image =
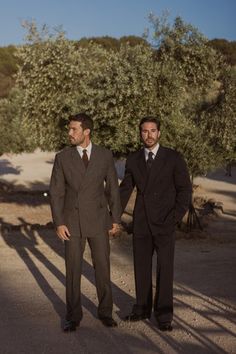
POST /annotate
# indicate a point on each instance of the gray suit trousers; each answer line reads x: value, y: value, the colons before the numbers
x: 100, y: 253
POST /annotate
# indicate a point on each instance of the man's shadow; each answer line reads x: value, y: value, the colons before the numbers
x: 22, y: 238
x: 119, y: 296
x: 7, y: 168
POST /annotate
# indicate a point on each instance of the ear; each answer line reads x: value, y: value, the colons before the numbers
x: 87, y: 132
x: 159, y: 134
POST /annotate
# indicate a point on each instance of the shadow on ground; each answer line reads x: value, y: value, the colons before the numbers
x: 204, y: 310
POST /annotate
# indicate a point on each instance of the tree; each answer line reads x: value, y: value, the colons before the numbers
x: 108, y: 43
x: 15, y: 137
x: 58, y: 79
x: 118, y: 93
x: 111, y: 43
x: 199, y: 69
x: 219, y: 119
x: 8, y: 69
x: 51, y: 72
x: 171, y: 79
x: 226, y: 48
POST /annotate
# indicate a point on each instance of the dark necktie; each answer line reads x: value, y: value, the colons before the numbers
x: 85, y: 158
x: 150, y: 160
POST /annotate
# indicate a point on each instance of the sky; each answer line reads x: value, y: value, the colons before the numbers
x: 115, y: 18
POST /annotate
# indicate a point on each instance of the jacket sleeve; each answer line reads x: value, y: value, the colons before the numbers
x: 57, y: 192
x: 112, y: 191
x: 183, y: 188
x: 127, y: 185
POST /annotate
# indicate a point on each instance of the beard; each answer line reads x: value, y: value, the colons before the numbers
x: 74, y: 141
x: 149, y: 143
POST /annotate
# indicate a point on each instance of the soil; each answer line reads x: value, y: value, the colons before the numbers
x: 32, y: 273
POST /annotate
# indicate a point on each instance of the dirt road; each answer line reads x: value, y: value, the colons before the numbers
x: 32, y: 279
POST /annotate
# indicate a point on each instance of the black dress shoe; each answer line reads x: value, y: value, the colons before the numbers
x: 70, y: 326
x: 108, y: 321
x: 134, y: 317
x: 165, y: 327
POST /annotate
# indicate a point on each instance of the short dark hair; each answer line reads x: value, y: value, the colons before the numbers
x: 85, y: 120
x: 149, y: 119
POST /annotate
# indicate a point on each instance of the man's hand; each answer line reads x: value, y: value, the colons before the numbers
x: 63, y: 233
x: 115, y: 230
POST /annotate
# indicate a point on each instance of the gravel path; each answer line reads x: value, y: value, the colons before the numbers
x: 32, y: 279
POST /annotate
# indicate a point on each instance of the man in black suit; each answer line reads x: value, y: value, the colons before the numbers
x: 163, y: 196
x: 85, y: 205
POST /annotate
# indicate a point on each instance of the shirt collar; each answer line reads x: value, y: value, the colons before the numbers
x: 88, y: 149
x: 154, y: 151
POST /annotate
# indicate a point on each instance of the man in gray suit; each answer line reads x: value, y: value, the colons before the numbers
x: 85, y: 204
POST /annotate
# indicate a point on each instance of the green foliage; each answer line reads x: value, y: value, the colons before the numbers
x: 196, y: 70
x: 116, y: 88
x: 189, y: 51
x: 119, y: 82
x: 8, y: 61
x: 48, y: 78
x: 110, y: 43
x: 118, y: 93
x: 219, y: 119
x: 15, y: 137
x: 226, y: 48
x: 8, y: 68
x: 194, y: 145
x: 133, y: 41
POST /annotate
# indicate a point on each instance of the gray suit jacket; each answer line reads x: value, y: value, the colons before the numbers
x: 85, y: 200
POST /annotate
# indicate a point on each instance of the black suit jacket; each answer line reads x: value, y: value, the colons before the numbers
x: 163, y: 195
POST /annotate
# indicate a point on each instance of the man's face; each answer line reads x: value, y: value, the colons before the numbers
x: 76, y: 134
x: 150, y: 134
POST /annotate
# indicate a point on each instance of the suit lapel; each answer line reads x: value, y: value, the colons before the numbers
x: 93, y: 160
x: 142, y: 169
x: 157, y: 167
x: 78, y: 167
x: 92, y: 168
x: 80, y: 173
x: 142, y: 164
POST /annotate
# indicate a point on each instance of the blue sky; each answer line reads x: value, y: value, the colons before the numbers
x: 116, y: 18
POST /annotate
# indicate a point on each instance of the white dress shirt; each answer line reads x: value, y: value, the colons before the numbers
x: 154, y: 151
x: 88, y: 149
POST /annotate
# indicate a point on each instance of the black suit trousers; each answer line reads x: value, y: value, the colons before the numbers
x: 144, y: 249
